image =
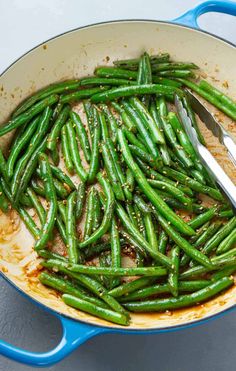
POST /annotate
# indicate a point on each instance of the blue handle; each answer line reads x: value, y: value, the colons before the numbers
x: 190, y: 17
x: 74, y: 334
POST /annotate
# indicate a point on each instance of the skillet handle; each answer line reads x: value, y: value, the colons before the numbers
x: 190, y: 17
x: 74, y: 334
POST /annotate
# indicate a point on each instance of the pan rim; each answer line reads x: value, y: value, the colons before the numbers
x: 111, y: 328
x: 171, y: 23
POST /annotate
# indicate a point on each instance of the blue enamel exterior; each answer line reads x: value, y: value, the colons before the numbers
x: 75, y: 332
x: 190, y: 17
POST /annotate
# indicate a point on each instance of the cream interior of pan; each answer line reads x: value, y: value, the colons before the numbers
x: 74, y: 55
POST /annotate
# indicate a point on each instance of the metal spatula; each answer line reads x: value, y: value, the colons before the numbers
x: 208, y: 161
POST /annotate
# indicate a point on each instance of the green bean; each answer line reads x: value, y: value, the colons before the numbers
x: 204, y: 234
x: 174, y: 66
x: 183, y: 138
x: 131, y: 214
x: 130, y: 180
x: 155, y: 175
x: 116, y: 161
x: 106, y: 81
x: 62, y: 210
x: 184, y: 244
x: 113, y: 72
x: 140, y: 74
x: 60, y: 175
x: 3, y: 167
x: 112, y: 174
x: 189, y: 286
x: 140, y: 221
x: 203, y: 218
x: 183, y: 300
x: 89, y: 214
x: 162, y: 242
x: 61, y: 229
x: 74, y: 151
x: 133, y: 63
x: 129, y: 287
x: 224, y: 272
x: 176, y: 73
x: 28, y: 115
x: 192, y: 183
x: 108, y: 281
x: 90, y: 283
x: 219, y: 262
x: 94, y: 163
x: 88, y: 109
x: 82, y: 135
x: 163, y: 148
x: 170, y: 134
x: 94, y: 250
x: 47, y: 229
x: 174, y: 191
x: 109, y: 271
x: 97, y: 311
x: 57, y: 110
x: 133, y: 139
x: 96, y: 212
x: 209, y: 97
x: 207, y: 234
x: 71, y: 229
x: 173, y: 276
x: 144, y: 132
x: 139, y: 238
x: 66, y: 150
x: 227, y: 243
x: 45, y: 92
x: 109, y: 209
x: 81, y: 94
x: 57, y: 126
x: 29, y: 222
x: 175, y: 204
x: 16, y: 149
x: 156, y: 133
x: 147, y: 68
x: 29, y: 170
x: 134, y: 242
x: 113, y: 124
x: 55, y: 156
x: 127, y: 91
x: 150, y: 230
x: 65, y: 286
x: 80, y: 200
x: 165, y: 81
x: 192, y: 117
x: 37, y: 205
x: 47, y: 254
x: 198, y: 176
x: 194, y: 240
x: 226, y: 214
x: 228, y: 102
x: 43, y: 123
x: 3, y: 201
x: 125, y: 118
x: 61, y: 191
x: 115, y: 245
x: 148, y: 191
x: 219, y: 236
x: 143, y: 155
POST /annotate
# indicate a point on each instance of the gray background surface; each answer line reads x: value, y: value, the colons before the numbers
x: 24, y: 24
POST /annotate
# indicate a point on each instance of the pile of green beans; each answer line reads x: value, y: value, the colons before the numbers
x: 119, y: 181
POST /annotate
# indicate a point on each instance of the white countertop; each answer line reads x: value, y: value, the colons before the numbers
x: 24, y: 24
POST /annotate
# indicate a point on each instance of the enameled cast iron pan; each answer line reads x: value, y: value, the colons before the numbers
x: 76, y: 54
